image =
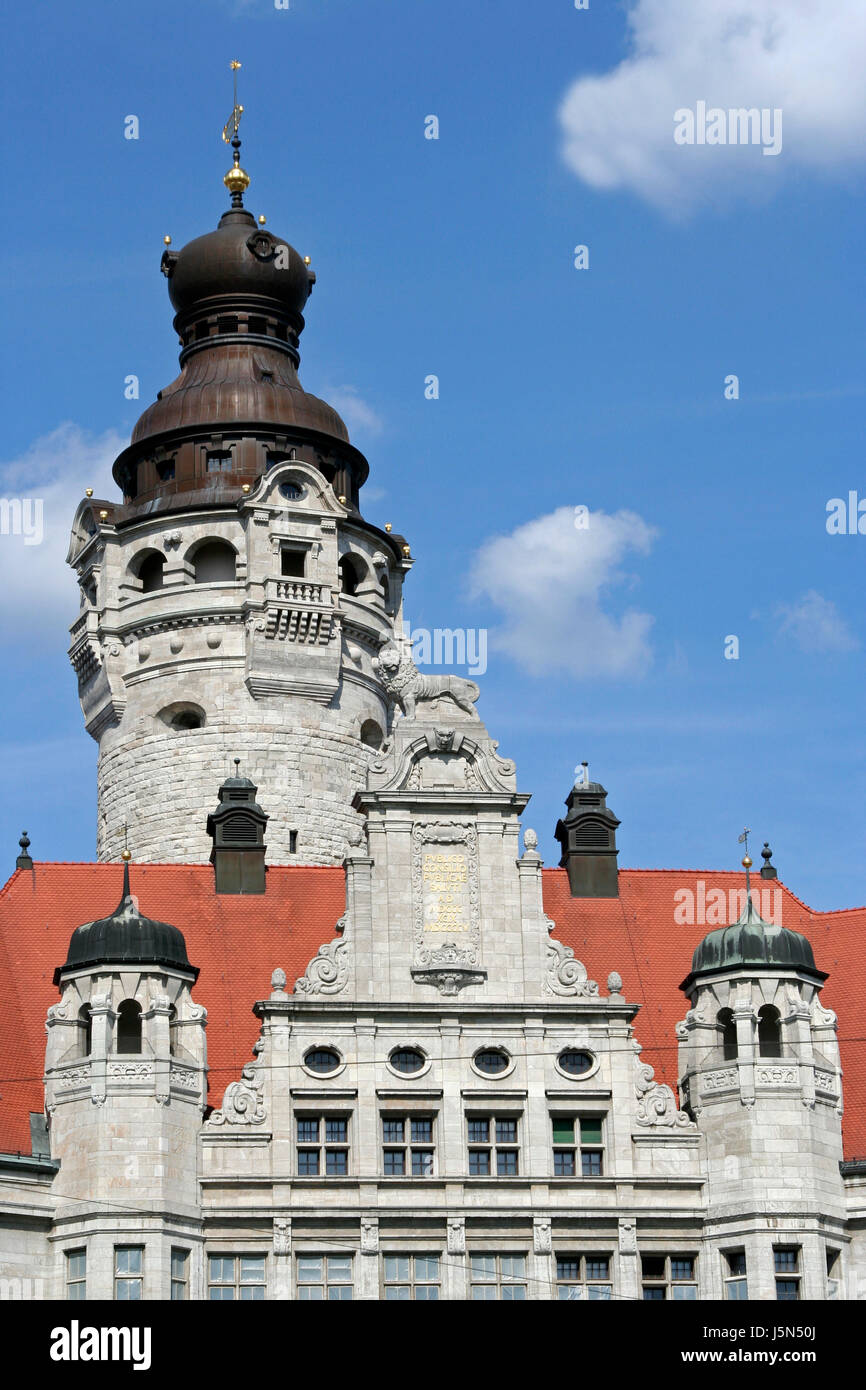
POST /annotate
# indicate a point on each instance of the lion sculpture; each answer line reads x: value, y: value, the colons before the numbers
x: 406, y: 685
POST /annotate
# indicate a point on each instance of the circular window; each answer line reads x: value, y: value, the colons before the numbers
x: 291, y: 492
x: 407, y: 1060
x: 322, y: 1060
x: 575, y: 1063
x: 492, y: 1061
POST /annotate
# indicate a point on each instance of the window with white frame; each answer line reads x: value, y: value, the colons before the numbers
x: 323, y: 1145
x: 325, y: 1277
x: 128, y: 1272
x: 583, y: 1276
x: 736, y: 1283
x: 493, y: 1142
x: 179, y: 1273
x: 786, y: 1260
x: 407, y: 1145
x: 668, y: 1277
x: 578, y: 1146
x: 493, y: 1277
x: 76, y: 1274
x: 406, y: 1277
x: 236, y: 1278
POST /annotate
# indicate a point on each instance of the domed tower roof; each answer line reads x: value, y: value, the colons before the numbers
x: 126, y: 938
x: 238, y: 293
x: 753, y: 944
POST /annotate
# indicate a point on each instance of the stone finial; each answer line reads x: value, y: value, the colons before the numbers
x: 614, y: 983
x: 530, y: 839
x: 278, y: 984
x: 768, y: 870
x: 24, y: 861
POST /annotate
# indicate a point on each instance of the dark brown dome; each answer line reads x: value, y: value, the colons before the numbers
x: 240, y: 261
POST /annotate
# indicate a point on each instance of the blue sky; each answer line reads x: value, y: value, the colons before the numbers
x: 558, y: 387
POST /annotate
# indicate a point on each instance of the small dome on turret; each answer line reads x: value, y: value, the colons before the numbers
x: 753, y: 943
x: 236, y: 262
x: 126, y: 938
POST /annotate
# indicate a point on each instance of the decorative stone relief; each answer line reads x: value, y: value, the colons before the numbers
x: 656, y: 1104
x: 130, y: 1071
x: 821, y: 1017
x: 542, y: 1235
x: 282, y: 1235
x: 446, y: 912
x: 627, y: 1238
x: 327, y: 972
x: 185, y: 1080
x: 825, y: 1081
x: 565, y: 975
x: 776, y: 1076
x: 727, y: 1080
x: 369, y: 1235
x: 456, y: 1235
x: 242, y: 1101
x: 449, y: 982
x: 79, y: 1076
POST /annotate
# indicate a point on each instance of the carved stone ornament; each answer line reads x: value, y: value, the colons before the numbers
x: 565, y: 975
x: 130, y: 1071
x: 542, y: 1235
x: 614, y: 982
x: 328, y: 971
x: 369, y: 1235
x: 78, y: 1076
x: 456, y: 1235
x: 183, y: 1079
x: 776, y: 1076
x: 452, y: 937
x: 449, y: 982
x: 407, y: 687
x: 278, y: 984
x: 627, y: 1238
x: 726, y: 1080
x: 242, y: 1101
x: 282, y: 1235
x: 656, y: 1104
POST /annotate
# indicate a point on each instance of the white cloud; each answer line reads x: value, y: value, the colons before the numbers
x: 805, y: 57
x: 360, y: 417
x: 38, y: 593
x: 553, y: 581
x: 816, y: 624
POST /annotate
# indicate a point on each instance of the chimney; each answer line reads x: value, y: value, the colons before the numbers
x: 587, y: 836
x: 237, y: 828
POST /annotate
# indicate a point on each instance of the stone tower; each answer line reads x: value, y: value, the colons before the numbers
x: 232, y: 603
x: 125, y: 1086
x: 759, y: 1072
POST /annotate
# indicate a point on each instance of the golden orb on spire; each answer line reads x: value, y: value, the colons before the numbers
x: 237, y: 180
x: 746, y: 862
x: 126, y: 855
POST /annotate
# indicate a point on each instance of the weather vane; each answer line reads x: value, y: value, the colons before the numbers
x: 746, y: 861
x: 230, y: 128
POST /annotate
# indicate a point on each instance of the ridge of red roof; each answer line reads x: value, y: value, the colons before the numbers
x: 238, y: 941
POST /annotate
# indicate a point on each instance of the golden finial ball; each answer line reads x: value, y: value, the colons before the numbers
x: 406, y: 551
x: 388, y: 527
x: 341, y: 500
x: 88, y: 492
x: 307, y: 260
x: 126, y: 855
x: 103, y: 515
x: 237, y: 180
x: 747, y: 863
x: 245, y: 487
x: 167, y: 240
x: 262, y: 220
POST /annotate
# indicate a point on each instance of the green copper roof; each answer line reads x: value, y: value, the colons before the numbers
x: 751, y: 941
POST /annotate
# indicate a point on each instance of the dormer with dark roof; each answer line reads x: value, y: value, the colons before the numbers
x: 237, y: 828
x: 587, y: 836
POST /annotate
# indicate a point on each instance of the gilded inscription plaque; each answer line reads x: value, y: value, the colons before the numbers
x: 445, y: 878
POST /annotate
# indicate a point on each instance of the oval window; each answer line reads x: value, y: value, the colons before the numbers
x: 492, y: 1062
x: 291, y: 492
x: 575, y: 1063
x: 407, y: 1060
x: 322, y: 1060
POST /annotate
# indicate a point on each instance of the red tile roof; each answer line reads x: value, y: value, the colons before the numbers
x: 238, y: 941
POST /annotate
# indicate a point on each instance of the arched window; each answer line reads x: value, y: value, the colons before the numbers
x: 214, y: 563
x: 85, y: 1020
x: 349, y: 575
x: 150, y: 572
x: 769, y: 1031
x: 371, y: 734
x: 129, y: 1026
x: 172, y: 1031
x: 725, y: 1022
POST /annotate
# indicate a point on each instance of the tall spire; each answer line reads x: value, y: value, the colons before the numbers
x: 237, y: 179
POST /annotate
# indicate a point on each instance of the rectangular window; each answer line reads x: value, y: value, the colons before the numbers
x: 583, y: 1276
x: 323, y: 1145
x: 76, y: 1274
x: 128, y: 1271
x: 668, y: 1277
x: 497, y: 1277
x: 736, y: 1286
x: 179, y: 1273
x: 322, y: 1277
x: 786, y: 1259
x: 165, y: 471
x: 236, y: 1278
x: 407, y: 1277
x: 292, y: 563
x: 578, y: 1145
x: 493, y: 1142
x: 407, y: 1145
x: 219, y: 463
